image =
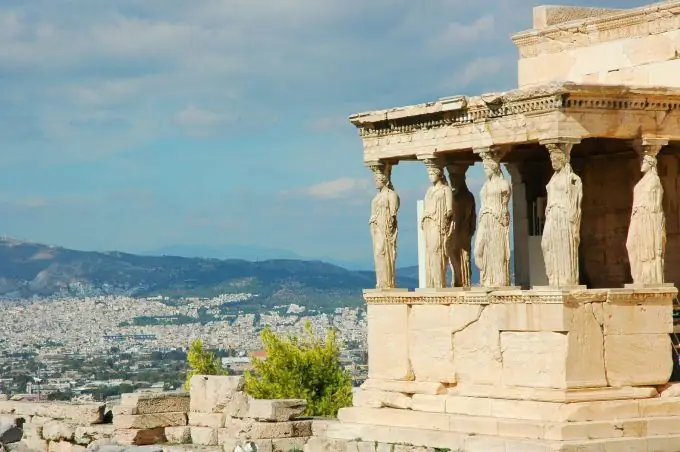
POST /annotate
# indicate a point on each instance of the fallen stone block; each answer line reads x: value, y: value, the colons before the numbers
x: 214, y: 420
x: 248, y: 429
x: 288, y: 444
x: 58, y: 431
x: 178, y: 435
x: 10, y: 433
x: 85, y: 434
x: 213, y: 393
x: 165, y: 402
x: 147, y: 421
x: 64, y: 446
x: 205, y: 436
x: 139, y: 437
x: 275, y: 410
x: 84, y: 413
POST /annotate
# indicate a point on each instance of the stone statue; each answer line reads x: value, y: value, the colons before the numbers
x: 464, y: 225
x: 437, y: 226
x: 562, y: 231
x: 383, y: 223
x: 646, y: 242
x: 492, y: 244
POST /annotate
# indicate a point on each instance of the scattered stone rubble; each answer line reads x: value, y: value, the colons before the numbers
x: 215, y: 416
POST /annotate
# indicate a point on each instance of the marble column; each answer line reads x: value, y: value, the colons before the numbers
x: 383, y: 226
x: 492, y: 242
x: 646, y: 240
x: 520, y: 227
x: 437, y: 225
x: 562, y: 232
x: 464, y: 225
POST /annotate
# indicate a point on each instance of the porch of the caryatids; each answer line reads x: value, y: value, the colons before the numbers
x: 562, y: 231
x: 492, y: 243
x: 646, y: 240
x: 383, y: 226
x: 464, y: 225
x: 437, y: 225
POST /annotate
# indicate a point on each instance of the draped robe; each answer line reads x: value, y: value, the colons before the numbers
x: 383, y: 224
x: 464, y: 224
x: 646, y: 241
x: 561, y: 235
x: 436, y: 225
x: 492, y: 243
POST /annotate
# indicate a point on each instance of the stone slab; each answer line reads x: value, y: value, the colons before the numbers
x: 214, y: 420
x: 140, y: 437
x: 213, y: 393
x: 149, y: 403
x: 275, y: 410
x: 553, y: 395
x: 150, y: 421
x: 85, y: 434
x: 86, y: 413
x: 388, y: 332
x: 406, y: 387
x: 178, y: 435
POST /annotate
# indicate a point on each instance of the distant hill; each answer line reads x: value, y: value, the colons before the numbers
x: 28, y: 269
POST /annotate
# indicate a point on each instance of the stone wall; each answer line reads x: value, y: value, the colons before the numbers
x: 216, y: 412
x: 639, y: 47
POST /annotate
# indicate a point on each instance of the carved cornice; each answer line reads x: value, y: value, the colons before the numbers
x: 564, y: 97
x: 483, y: 297
x: 656, y: 18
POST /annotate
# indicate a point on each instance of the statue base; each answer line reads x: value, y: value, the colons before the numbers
x: 545, y: 369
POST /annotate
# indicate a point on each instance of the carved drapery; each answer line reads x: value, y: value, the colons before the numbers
x: 383, y: 226
x: 646, y: 240
x: 492, y: 242
x: 464, y: 225
x: 561, y: 235
x: 437, y: 225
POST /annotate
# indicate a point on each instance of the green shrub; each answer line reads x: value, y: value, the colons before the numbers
x: 202, y: 362
x: 301, y: 367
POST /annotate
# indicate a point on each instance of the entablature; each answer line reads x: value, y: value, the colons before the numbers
x: 459, y: 124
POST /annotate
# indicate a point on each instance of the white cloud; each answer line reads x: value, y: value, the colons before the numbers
x: 342, y: 188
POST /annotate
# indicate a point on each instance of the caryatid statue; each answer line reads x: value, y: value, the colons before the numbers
x: 464, y: 225
x: 437, y: 226
x: 562, y: 231
x: 646, y: 242
x: 492, y: 243
x: 383, y: 223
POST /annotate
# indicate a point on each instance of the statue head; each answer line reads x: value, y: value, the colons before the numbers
x: 491, y: 166
x: 648, y: 163
x: 558, y: 159
x: 434, y: 172
x: 381, y: 176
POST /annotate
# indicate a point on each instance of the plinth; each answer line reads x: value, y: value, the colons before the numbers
x: 522, y: 370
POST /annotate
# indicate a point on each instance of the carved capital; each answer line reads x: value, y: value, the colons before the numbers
x: 495, y: 153
x: 562, y: 145
x: 648, y: 146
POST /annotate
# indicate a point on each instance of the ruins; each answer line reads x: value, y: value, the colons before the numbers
x: 576, y: 355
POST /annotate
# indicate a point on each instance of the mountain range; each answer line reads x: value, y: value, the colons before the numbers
x: 32, y: 269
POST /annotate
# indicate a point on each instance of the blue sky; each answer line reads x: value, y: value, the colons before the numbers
x: 136, y: 124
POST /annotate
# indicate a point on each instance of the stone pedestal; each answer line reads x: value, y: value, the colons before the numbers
x: 541, y: 369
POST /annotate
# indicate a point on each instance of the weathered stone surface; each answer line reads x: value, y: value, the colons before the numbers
x: 10, y: 433
x: 64, y: 446
x: 122, y: 410
x: 140, y: 437
x: 214, y: 420
x: 150, y: 403
x: 534, y: 317
x: 86, y: 413
x: 106, y: 445
x: 406, y: 387
x: 205, y: 436
x: 430, y: 339
x: 276, y: 410
x: 638, y: 359
x: 178, y: 435
x: 388, y: 332
x: 477, y: 350
x: 150, y: 421
x: 238, y: 405
x: 430, y: 403
x: 379, y: 399
x: 289, y: 444
x: 251, y: 429
x: 655, y: 316
x: 261, y: 445
x: 396, y: 418
x: 669, y: 390
x: 86, y: 434
x: 213, y: 394
x: 58, y: 431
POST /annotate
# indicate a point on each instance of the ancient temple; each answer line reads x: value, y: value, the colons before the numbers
x: 574, y: 354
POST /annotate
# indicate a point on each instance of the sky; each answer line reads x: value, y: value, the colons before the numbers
x: 133, y: 125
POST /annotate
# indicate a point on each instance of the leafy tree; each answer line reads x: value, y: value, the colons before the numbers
x: 302, y: 367
x: 202, y: 362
